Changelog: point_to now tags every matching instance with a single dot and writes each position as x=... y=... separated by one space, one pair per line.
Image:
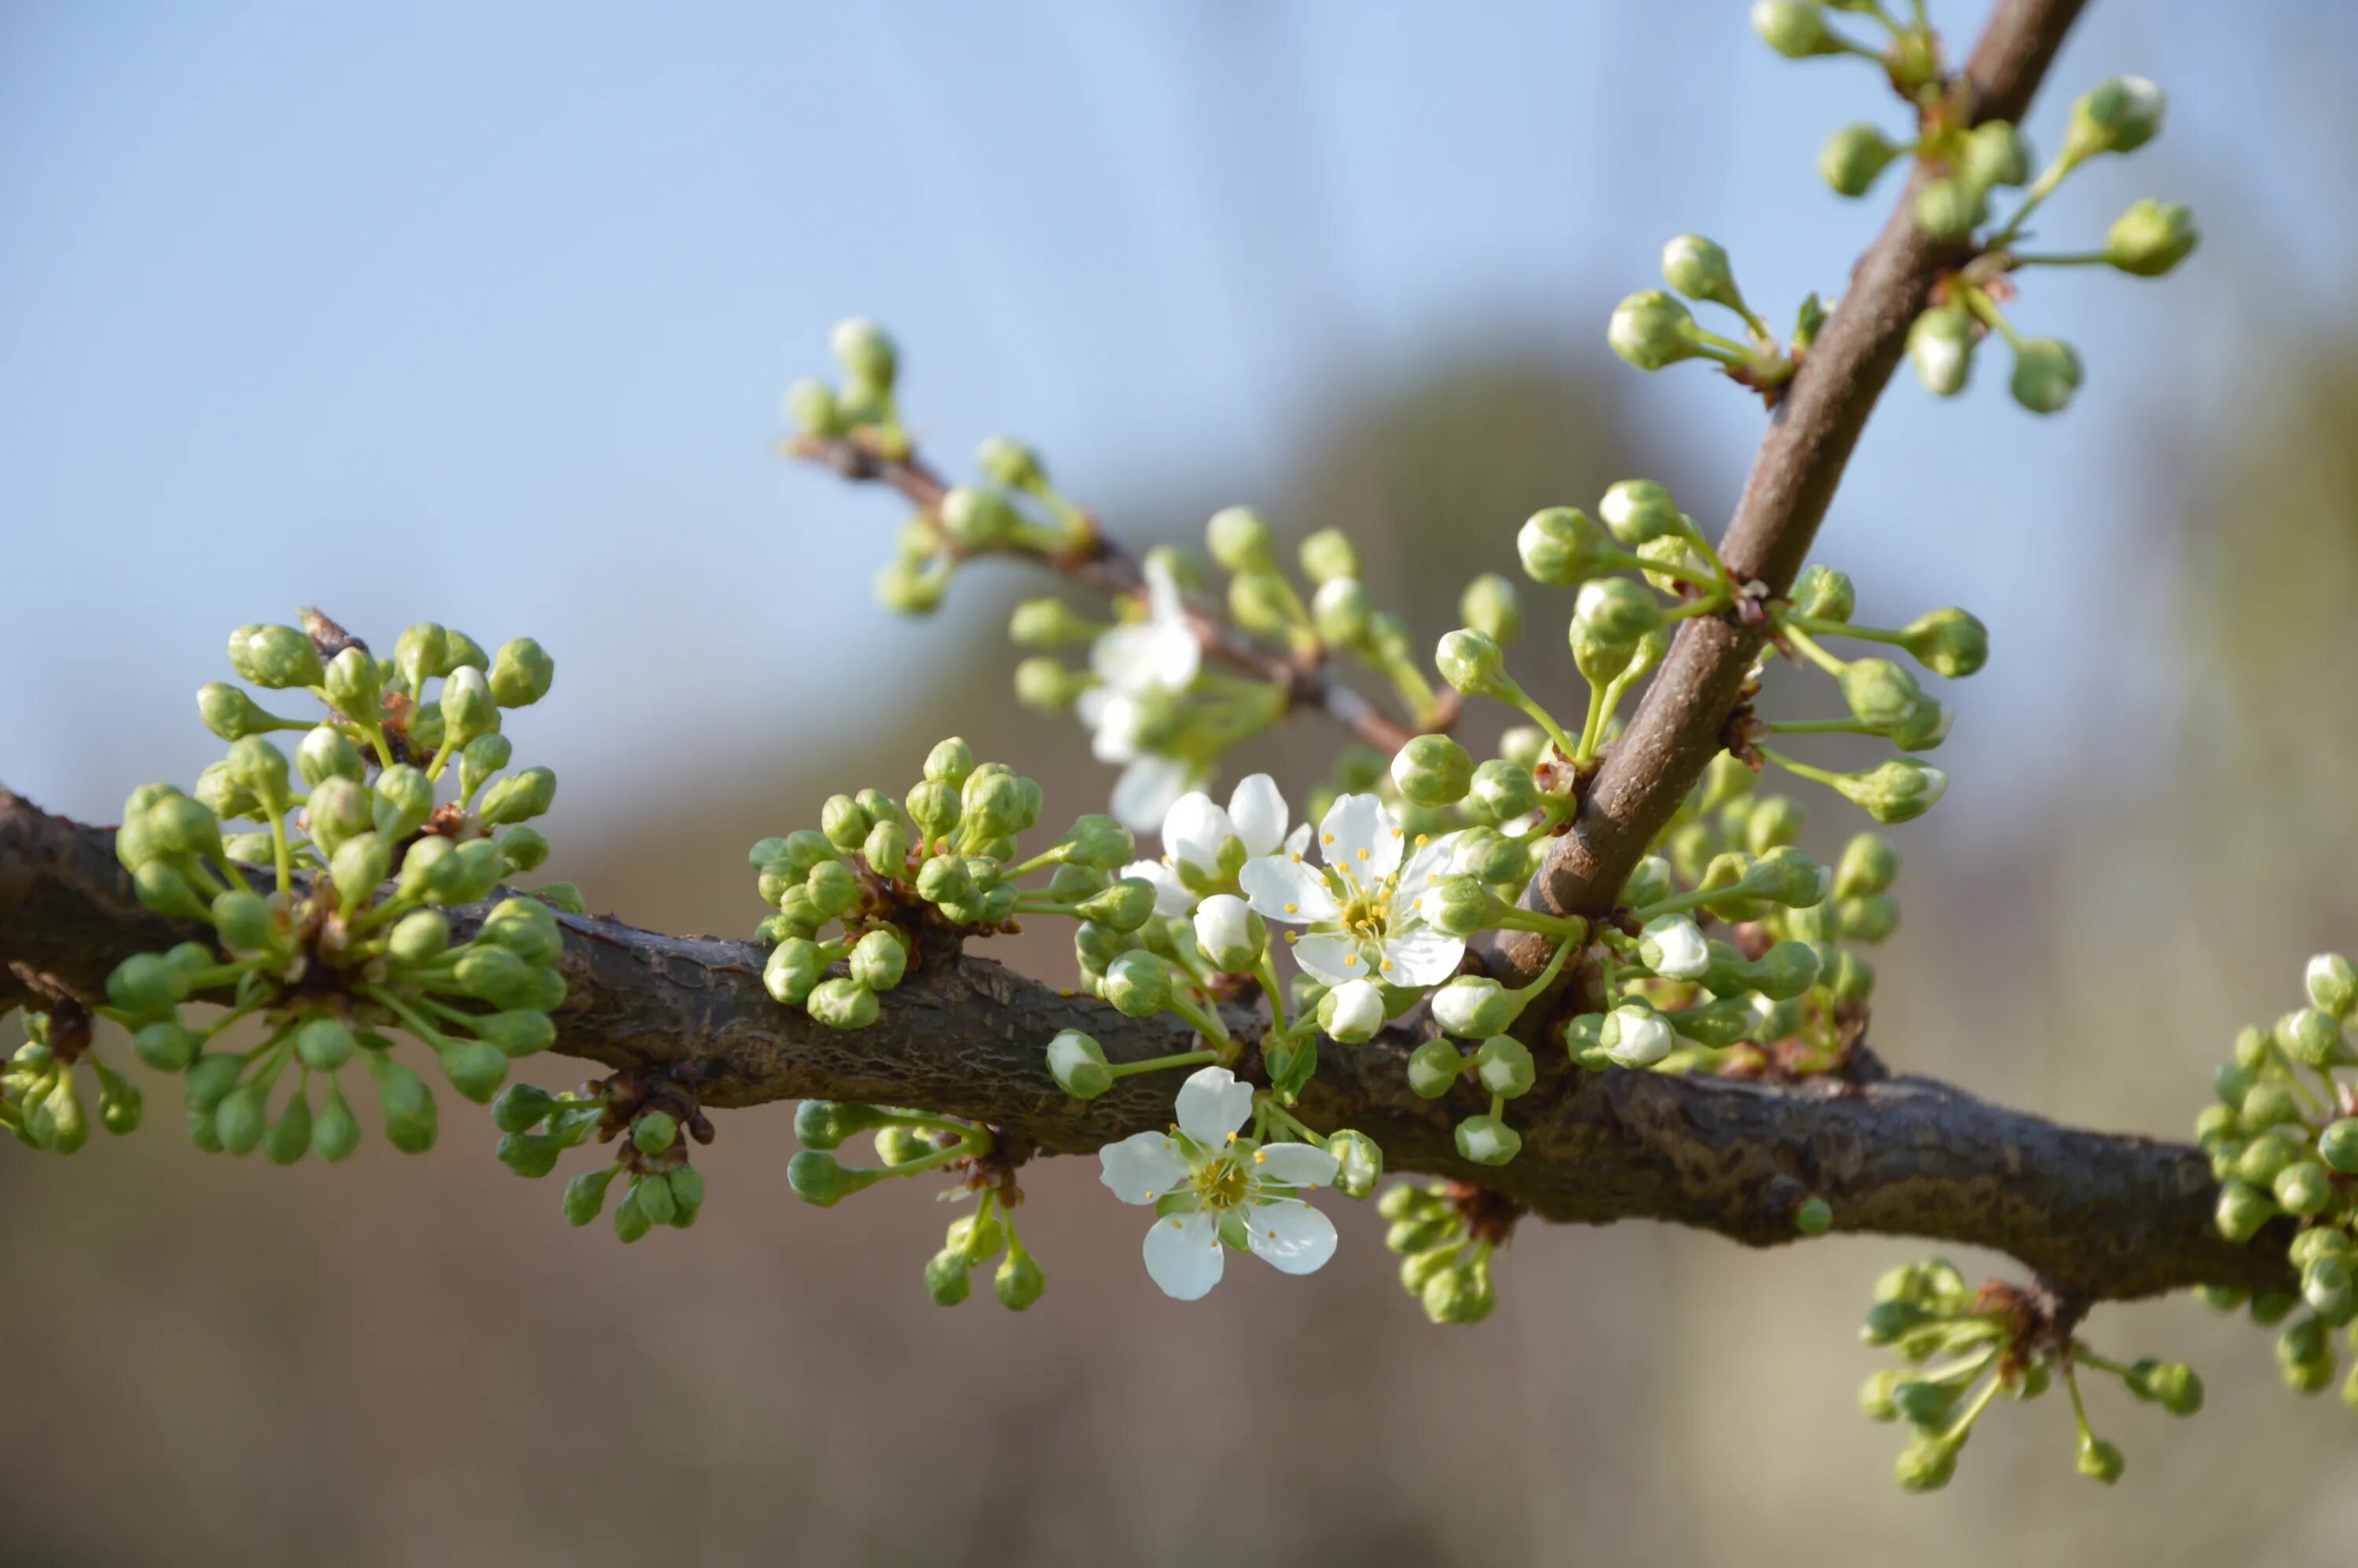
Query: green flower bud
x=1787 y=876
x=467 y=706
x=1562 y=546
x=2151 y=238
x=523 y=849
x=146 y=983
x=832 y=887
x=1637 y=512
x=1077 y=1062
x=2267 y=1104
x=811 y=409
x=1473 y=1007
x=168 y=1045
x=1504 y=1065
x=1500 y=791
x=1948 y=210
x=886 y=848
x=1433 y=771
x=1231 y=934
x=1049 y=623
x=521 y=673
x=239 y=1119
x=978 y=519
x=1880 y=694
x=1635 y=1035
x=1853 y=157
x=2333 y=983
x=1340 y=610
x=1138 y=983
x=1019 y=1280
x=476 y=1068
x=1900 y=790
x=419 y=936
x=1487 y=1141
x=259 y=768
x=2173 y=1385
x=229 y=713
x=1434 y=1067
x=1996 y=155
x=1821 y=593
x=275 y=657
x=520 y=1107
x=420 y=654
x=1794 y=29
x=1328 y=554
x=1240 y=541
x=404 y=799
x=880 y=959
x=1926 y=1465
x=325 y=753
x=2099 y=1460
x=355 y=686
x=1774 y=821
x=1870 y=920
x=2303 y=1188
x=864 y=352
x=2046 y=374
x=1652 y=330
x=1814 y=1217
x=359 y=866
x=325 y=1044
x=1009 y=462
x=1947 y=642
x=2312 y=1037
x=1489 y=605
x=949 y=1276
x=653 y=1131
x=842 y=1004
x=1941 y=342
x=518 y=1031
x=908 y=588
x=1260 y=603
x=1472 y=663
x=817 y=1179
x=1699 y=268
x=1459 y=1296
x=2115 y=116
x=2242 y=1211
x=1616 y=611
x=463 y=651
x=1358 y=1163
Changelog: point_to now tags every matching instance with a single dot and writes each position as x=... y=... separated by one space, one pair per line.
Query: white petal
x=1171 y=895
x=1224 y=928
x=1297 y=843
x=1163 y=600
x=1347 y=837
x=1259 y=812
x=1183 y=1255
x=1172 y=656
x=1193 y=828
x=1421 y=956
x=1330 y=956
x=1427 y=863
x=1143 y=794
x=1287 y=890
x=1142 y=1167
x=1212 y=1105
x=1291 y=1238
x=1126 y=657
x=1294 y=1165
x=1113 y=734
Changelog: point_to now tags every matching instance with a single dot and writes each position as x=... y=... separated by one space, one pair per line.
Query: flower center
x=1222 y=1184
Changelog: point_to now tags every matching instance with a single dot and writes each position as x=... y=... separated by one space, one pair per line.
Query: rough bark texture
x=2096 y=1215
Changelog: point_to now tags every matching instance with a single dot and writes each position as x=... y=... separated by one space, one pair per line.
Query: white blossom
x=1362 y=909
x=1355 y=1012
x=1195 y=834
x=1134 y=663
x=1209 y=1185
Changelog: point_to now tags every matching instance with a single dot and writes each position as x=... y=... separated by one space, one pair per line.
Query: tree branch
x=1110 y=570
x=2099 y=1215
x=1678 y=727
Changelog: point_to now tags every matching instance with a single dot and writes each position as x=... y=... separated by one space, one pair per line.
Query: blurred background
x=481 y=314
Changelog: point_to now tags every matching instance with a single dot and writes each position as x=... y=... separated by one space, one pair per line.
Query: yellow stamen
x=1362 y=855
x=1326 y=839
x=1292 y=909
x=1349 y=959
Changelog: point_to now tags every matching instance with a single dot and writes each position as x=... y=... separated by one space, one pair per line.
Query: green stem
x=1545 y=721
x=1206 y=1022
x=1592 y=730
x=1294 y=1124
x=2075 y=258
x=1809 y=648
x=1981 y=305
x=1158 y=1063
x=1973 y=1412
x=2051 y=176
x=1792 y=765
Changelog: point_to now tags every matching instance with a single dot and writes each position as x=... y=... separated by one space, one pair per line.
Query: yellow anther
x=1422 y=840
x=1292 y=938
x=1349 y=959
x=1326 y=837
x=1385 y=965
x=1260 y=1156
x=1362 y=855
x=1292 y=909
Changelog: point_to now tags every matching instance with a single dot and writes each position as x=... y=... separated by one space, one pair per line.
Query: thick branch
x=2099 y=1215
x=1677 y=729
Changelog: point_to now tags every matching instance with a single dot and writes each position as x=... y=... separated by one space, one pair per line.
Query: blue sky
x=482 y=312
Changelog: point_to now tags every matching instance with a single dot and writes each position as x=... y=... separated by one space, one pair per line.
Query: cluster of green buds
x=1652 y=327
x=1964 y=1347
x=2283 y=1141
x=1620 y=628
x=1011 y=509
x=1885 y=702
x=1445 y=1234
x=41 y=1101
x=915 y=1143
x=331 y=923
x=651 y=1125
x=882 y=874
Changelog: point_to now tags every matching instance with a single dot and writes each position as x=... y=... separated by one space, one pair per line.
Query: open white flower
x=1195 y=834
x=1363 y=908
x=1134 y=663
x=1209 y=1186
